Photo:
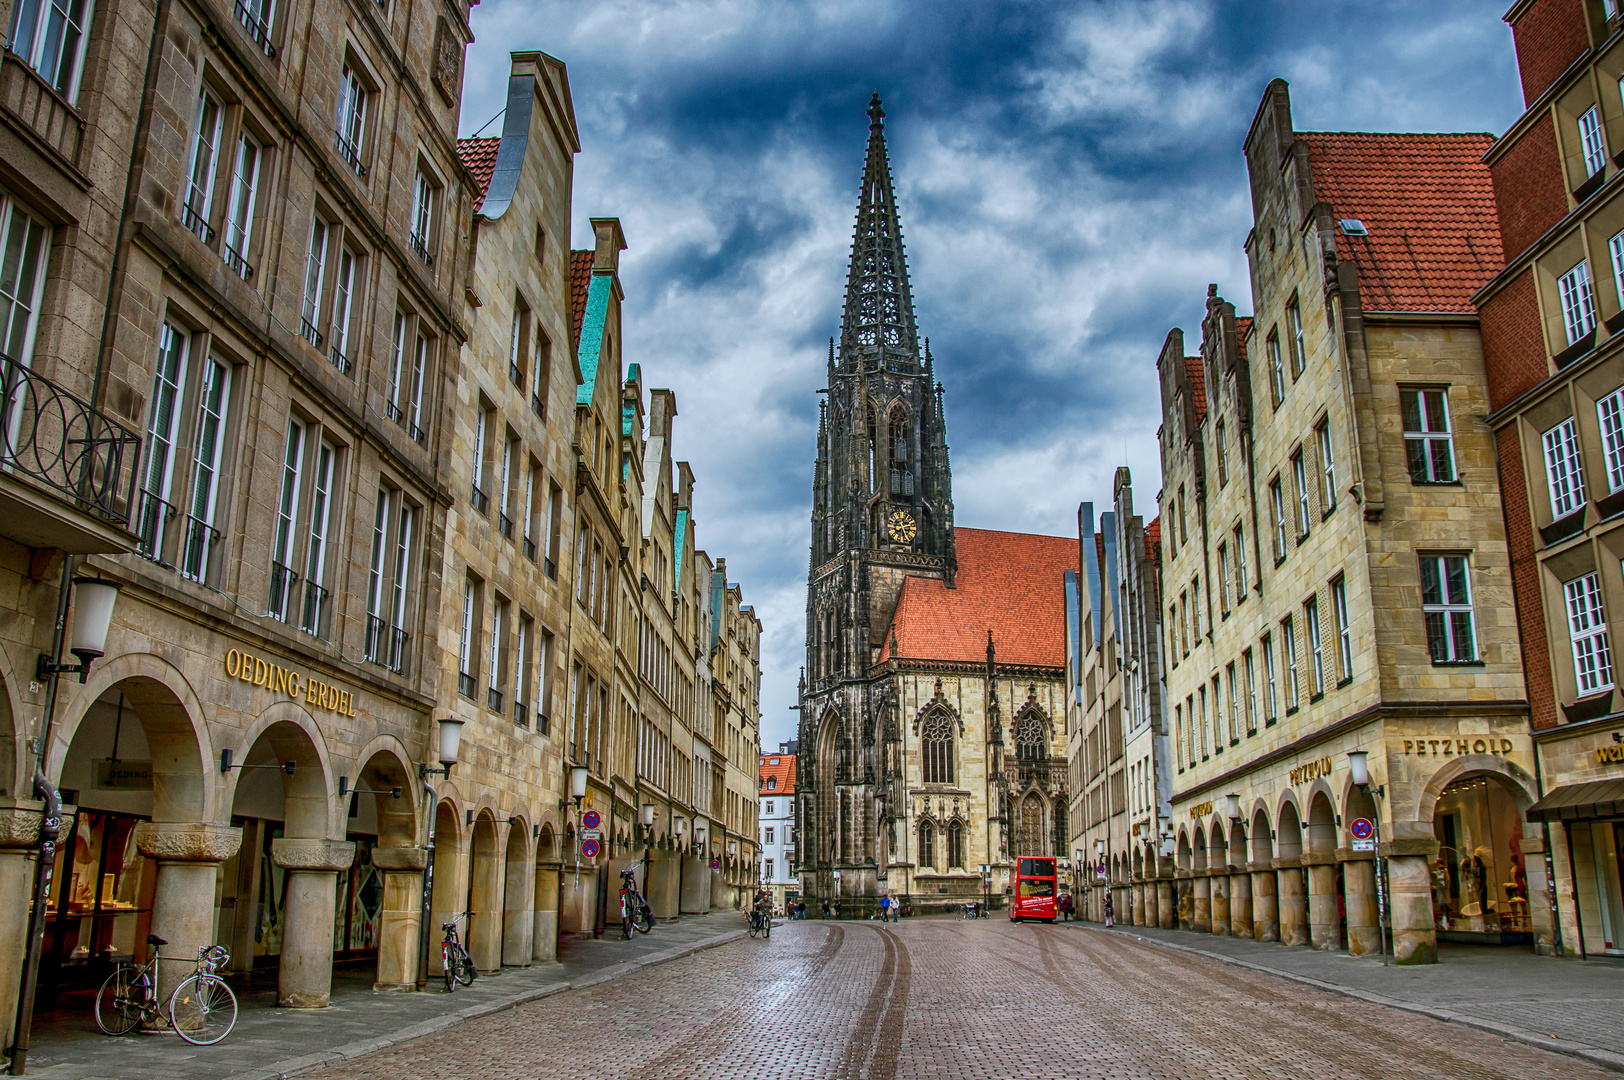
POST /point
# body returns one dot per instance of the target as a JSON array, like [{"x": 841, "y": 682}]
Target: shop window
[
  {"x": 1578, "y": 307},
  {"x": 1587, "y": 629},
  {"x": 1479, "y": 881},
  {"x": 1429, "y": 446},
  {"x": 1598, "y": 854},
  {"x": 1564, "y": 469},
  {"x": 1446, "y": 598}
]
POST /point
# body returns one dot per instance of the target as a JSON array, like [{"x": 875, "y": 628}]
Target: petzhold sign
[
  {"x": 278, "y": 679},
  {"x": 1302, "y": 774}
]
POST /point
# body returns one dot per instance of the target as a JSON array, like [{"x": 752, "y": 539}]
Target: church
[{"x": 932, "y": 705}]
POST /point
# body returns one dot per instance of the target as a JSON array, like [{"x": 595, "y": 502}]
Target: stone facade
[{"x": 1334, "y": 569}]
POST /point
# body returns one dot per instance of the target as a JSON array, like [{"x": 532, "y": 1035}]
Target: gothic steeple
[{"x": 878, "y": 325}]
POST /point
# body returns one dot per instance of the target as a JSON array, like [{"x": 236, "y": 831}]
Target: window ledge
[
  {"x": 1344, "y": 682},
  {"x": 1312, "y": 698},
  {"x": 1458, "y": 483},
  {"x": 1589, "y": 708},
  {"x": 1563, "y": 528},
  {"x": 1328, "y": 512},
  {"x": 1570, "y": 355},
  {"x": 1610, "y": 506},
  {"x": 1459, "y": 663},
  {"x": 1293, "y": 710}
]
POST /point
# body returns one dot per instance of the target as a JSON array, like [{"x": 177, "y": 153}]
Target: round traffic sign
[
  {"x": 590, "y": 819},
  {"x": 1362, "y": 829},
  {"x": 716, "y": 864},
  {"x": 589, "y": 849}
]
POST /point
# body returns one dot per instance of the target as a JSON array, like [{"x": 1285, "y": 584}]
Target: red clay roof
[
  {"x": 1010, "y": 583},
  {"x": 480, "y": 157},
  {"x": 1197, "y": 371},
  {"x": 1243, "y": 326},
  {"x": 1428, "y": 204},
  {"x": 783, "y": 772},
  {"x": 580, "y": 279},
  {"x": 1153, "y": 537}
]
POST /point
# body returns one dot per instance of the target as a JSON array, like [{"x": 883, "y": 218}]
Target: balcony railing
[
  {"x": 308, "y": 331},
  {"x": 238, "y": 264},
  {"x": 420, "y": 245},
  {"x": 195, "y": 224},
  {"x": 505, "y": 523},
  {"x": 199, "y": 545},
  {"x": 151, "y": 524},
  {"x": 493, "y": 699},
  {"x": 481, "y": 501},
  {"x": 465, "y": 684},
  {"x": 394, "y": 412},
  {"x": 385, "y": 646},
  {"x": 313, "y": 618},
  {"x": 349, "y": 152},
  {"x": 340, "y": 361},
  {"x": 283, "y": 581},
  {"x": 258, "y": 31},
  {"x": 63, "y": 442},
  {"x": 521, "y": 714}
]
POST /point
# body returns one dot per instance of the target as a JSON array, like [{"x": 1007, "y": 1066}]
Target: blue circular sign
[
  {"x": 590, "y": 819},
  {"x": 589, "y": 849}
]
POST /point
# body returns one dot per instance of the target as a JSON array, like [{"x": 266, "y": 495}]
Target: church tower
[{"x": 882, "y": 511}]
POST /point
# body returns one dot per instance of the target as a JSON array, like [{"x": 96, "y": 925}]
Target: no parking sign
[
  {"x": 591, "y": 820},
  {"x": 1364, "y": 834},
  {"x": 589, "y": 849}
]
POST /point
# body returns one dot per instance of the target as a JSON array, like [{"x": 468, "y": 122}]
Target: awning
[{"x": 1591, "y": 801}]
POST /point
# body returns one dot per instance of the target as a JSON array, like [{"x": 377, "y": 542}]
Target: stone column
[
  {"x": 1218, "y": 887},
  {"x": 1539, "y": 892},
  {"x": 544, "y": 938},
  {"x": 188, "y": 856},
  {"x": 1359, "y": 900},
  {"x": 1136, "y": 908},
  {"x": 400, "y": 922},
  {"x": 1293, "y": 903},
  {"x": 1265, "y": 906},
  {"x": 1324, "y": 923},
  {"x": 1167, "y": 915},
  {"x": 695, "y": 885},
  {"x": 305, "y": 980},
  {"x": 19, "y": 839},
  {"x": 1415, "y": 935},
  {"x": 1240, "y": 904},
  {"x": 1201, "y": 908},
  {"x": 518, "y": 913}
]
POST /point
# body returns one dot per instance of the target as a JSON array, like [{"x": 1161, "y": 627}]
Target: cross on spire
[{"x": 878, "y": 329}]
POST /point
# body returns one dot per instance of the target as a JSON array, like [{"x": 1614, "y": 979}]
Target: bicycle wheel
[
  {"x": 645, "y": 919},
  {"x": 767, "y": 926},
  {"x": 462, "y": 966},
  {"x": 448, "y": 966},
  {"x": 203, "y": 1010},
  {"x": 118, "y": 1007},
  {"x": 755, "y": 926}
]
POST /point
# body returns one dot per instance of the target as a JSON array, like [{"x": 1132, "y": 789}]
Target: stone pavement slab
[
  {"x": 1571, "y": 1006},
  {"x": 270, "y": 1043}
]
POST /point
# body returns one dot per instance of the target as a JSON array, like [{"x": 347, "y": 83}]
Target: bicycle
[
  {"x": 455, "y": 962},
  {"x": 761, "y": 922},
  {"x": 201, "y": 1009},
  {"x": 634, "y": 910}
]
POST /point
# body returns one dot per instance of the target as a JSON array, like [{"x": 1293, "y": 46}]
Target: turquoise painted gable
[{"x": 591, "y": 351}]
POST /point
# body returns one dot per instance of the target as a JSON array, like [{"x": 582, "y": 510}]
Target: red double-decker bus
[{"x": 1034, "y": 890}]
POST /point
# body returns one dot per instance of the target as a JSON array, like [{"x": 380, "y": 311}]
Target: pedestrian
[
  {"x": 836, "y": 906},
  {"x": 896, "y": 910},
  {"x": 885, "y": 908},
  {"x": 1110, "y": 911},
  {"x": 825, "y": 908}
]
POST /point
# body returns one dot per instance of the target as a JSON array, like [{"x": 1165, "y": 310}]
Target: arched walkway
[
  {"x": 450, "y": 886},
  {"x": 544, "y": 936},
  {"x": 484, "y": 904},
  {"x": 518, "y": 896},
  {"x": 1324, "y": 890}
]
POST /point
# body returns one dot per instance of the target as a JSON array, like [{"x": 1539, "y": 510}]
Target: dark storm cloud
[{"x": 1070, "y": 180}]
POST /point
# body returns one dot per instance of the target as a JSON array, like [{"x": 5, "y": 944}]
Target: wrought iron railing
[
  {"x": 313, "y": 617},
  {"x": 308, "y": 331},
  {"x": 385, "y": 646},
  {"x": 63, "y": 442},
  {"x": 258, "y": 31},
  {"x": 481, "y": 501},
  {"x": 283, "y": 580},
  {"x": 420, "y": 245},
  {"x": 340, "y": 361},
  {"x": 521, "y": 714},
  {"x": 195, "y": 224},
  {"x": 349, "y": 152},
  {"x": 151, "y": 524},
  {"x": 394, "y": 412},
  {"x": 238, "y": 264},
  {"x": 201, "y": 537}
]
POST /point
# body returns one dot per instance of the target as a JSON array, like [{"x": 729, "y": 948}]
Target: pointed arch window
[
  {"x": 936, "y": 737},
  {"x": 955, "y": 846},
  {"x": 927, "y": 845},
  {"x": 1029, "y": 738},
  {"x": 898, "y": 443}
]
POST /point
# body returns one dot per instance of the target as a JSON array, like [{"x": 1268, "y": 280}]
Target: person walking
[
  {"x": 1110, "y": 911},
  {"x": 825, "y": 908},
  {"x": 885, "y": 908}
]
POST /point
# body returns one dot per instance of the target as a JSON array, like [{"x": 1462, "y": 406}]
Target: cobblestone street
[{"x": 945, "y": 998}]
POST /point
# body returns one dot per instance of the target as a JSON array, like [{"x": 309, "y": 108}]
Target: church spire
[{"x": 878, "y": 324}]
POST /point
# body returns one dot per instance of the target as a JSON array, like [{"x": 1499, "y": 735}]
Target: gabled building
[{"x": 777, "y": 825}]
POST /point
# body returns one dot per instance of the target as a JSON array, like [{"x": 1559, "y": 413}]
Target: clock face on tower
[{"x": 900, "y": 524}]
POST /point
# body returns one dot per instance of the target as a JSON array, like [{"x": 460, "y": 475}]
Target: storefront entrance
[{"x": 1480, "y": 880}]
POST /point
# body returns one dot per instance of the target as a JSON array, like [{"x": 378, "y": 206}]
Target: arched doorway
[
  {"x": 380, "y": 898},
  {"x": 484, "y": 904},
  {"x": 518, "y": 897},
  {"x": 544, "y": 935},
  {"x": 1480, "y": 878},
  {"x": 129, "y": 758},
  {"x": 1324, "y": 875},
  {"x": 450, "y": 888}
]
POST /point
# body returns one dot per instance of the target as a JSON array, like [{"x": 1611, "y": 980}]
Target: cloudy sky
[{"x": 1069, "y": 178}]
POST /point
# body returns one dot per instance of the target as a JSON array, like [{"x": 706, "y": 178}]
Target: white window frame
[
  {"x": 240, "y": 205},
  {"x": 1322, "y": 436},
  {"x": 1591, "y": 141},
  {"x": 1344, "y": 627},
  {"x": 1429, "y": 430},
  {"x": 47, "y": 33},
  {"x": 287, "y": 516},
  {"x": 1271, "y": 681},
  {"x": 321, "y": 514},
  {"x": 1578, "y": 305},
  {"x": 315, "y": 271},
  {"x": 422, "y": 227},
  {"x": 350, "y": 121},
  {"x": 1277, "y": 510},
  {"x": 1299, "y": 476},
  {"x": 1288, "y": 663},
  {"x": 1610, "y": 414},
  {"x": 1316, "y": 647},
  {"x": 1439, "y": 600},
  {"x": 1240, "y": 563},
  {"x": 214, "y": 401},
  {"x": 203, "y": 163},
  {"x": 163, "y": 431},
  {"x": 1587, "y": 631},
  {"x": 465, "y": 651},
  {"x": 25, "y": 255},
  {"x": 1564, "y": 469},
  {"x": 343, "y": 305}
]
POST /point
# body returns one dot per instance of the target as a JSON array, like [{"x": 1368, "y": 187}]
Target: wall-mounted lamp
[
  {"x": 450, "y": 742},
  {"x": 578, "y": 784},
  {"x": 1359, "y": 766},
  {"x": 93, "y": 600},
  {"x": 1232, "y": 806}
]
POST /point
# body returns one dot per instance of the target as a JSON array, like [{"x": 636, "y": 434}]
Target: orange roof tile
[
  {"x": 1428, "y": 203},
  {"x": 1153, "y": 538},
  {"x": 783, "y": 772},
  {"x": 580, "y": 279},
  {"x": 1243, "y": 326},
  {"x": 480, "y": 157},
  {"x": 1198, "y": 382},
  {"x": 1010, "y": 583}
]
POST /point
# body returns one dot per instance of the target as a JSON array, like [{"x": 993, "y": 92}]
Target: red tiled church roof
[
  {"x": 783, "y": 772},
  {"x": 1010, "y": 583},
  {"x": 580, "y": 279},
  {"x": 479, "y": 155},
  {"x": 1428, "y": 203},
  {"x": 1197, "y": 371}
]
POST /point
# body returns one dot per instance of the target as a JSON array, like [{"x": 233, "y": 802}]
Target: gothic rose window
[
  {"x": 955, "y": 846},
  {"x": 936, "y": 736},
  {"x": 1029, "y": 739},
  {"x": 927, "y": 845}
]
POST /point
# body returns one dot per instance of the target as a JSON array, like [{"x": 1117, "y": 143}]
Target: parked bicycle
[
  {"x": 634, "y": 910},
  {"x": 457, "y": 966},
  {"x": 202, "y": 1009}
]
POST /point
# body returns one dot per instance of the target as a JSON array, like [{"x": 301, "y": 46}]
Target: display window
[
  {"x": 1598, "y": 863},
  {"x": 360, "y": 905},
  {"x": 1479, "y": 880},
  {"x": 97, "y": 903}
]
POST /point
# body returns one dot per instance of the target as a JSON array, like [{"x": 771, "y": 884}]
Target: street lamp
[
  {"x": 1359, "y": 770},
  {"x": 1232, "y": 806},
  {"x": 93, "y": 600},
  {"x": 450, "y": 744},
  {"x": 578, "y": 774}
]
